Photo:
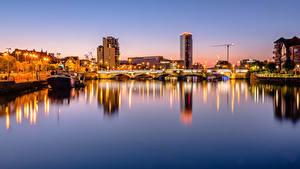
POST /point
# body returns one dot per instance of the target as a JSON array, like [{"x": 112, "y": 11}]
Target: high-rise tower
[
  {"x": 186, "y": 49},
  {"x": 108, "y": 54}
]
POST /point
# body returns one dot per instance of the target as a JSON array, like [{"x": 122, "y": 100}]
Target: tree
[
  {"x": 256, "y": 66},
  {"x": 289, "y": 65},
  {"x": 7, "y": 62},
  {"x": 271, "y": 67}
]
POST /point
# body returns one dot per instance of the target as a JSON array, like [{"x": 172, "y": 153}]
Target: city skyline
[{"x": 77, "y": 28}]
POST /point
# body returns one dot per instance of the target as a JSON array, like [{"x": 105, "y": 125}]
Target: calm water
[{"x": 152, "y": 124}]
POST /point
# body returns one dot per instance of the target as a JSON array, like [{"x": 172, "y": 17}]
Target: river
[{"x": 152, "y": 124}]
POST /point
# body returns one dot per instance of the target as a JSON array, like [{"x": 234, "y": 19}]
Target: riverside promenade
[{"x": 22, "y": 82}]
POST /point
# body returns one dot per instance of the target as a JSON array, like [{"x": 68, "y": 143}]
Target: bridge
[
  {"x": 199, "y": 74},
  {"x": 154, "y": 74}
]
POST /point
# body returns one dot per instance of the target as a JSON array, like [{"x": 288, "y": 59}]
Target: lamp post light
[{"x": 8, "y": 64}]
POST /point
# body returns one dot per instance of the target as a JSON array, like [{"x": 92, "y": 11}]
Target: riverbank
[
  {"x": 275, "y": 79},
  {"x": 22, "y": 87}
]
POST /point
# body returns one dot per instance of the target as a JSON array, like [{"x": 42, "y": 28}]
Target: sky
[{"x": 150, "y": 27}]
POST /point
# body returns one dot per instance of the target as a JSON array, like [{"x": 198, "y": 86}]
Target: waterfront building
[
  {"x": 71, "y": 63},
  {"x": 186, "y": 49},
  {"x": 28, "y": 55},
  {"x": 223, "y": 64},
  {"x": 108, "y": 54},
  {"x": 146, "y": 61},
  {"x": 286, "y": 49},
  {"x": 85, "y": 62},
  {"x": 247, "y": 63},
  {"x": 295, "y": 55},
  {"x": 175, "y": 64},
  {"x": 155, "y": 62}
]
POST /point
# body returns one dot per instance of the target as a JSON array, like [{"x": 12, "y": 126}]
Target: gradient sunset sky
[{"x": 150, "y": 27}]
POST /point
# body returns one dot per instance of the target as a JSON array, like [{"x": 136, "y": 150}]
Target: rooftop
[
  {"x": 186, "y": 34},
  {"x": 289, "y": 42}
]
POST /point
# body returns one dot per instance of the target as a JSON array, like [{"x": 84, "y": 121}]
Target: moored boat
[
  {"x": 62, "y": 81},
  {"x": 66, "y": 80}
]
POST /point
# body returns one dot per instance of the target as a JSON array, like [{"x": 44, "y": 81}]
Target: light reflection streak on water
[
  {"x": 91, "y": 93},
  {"x": 46, "y": 106},
  {"x": 205, "y": 93},
  {"x": 171, "y": 101},
  {"x": 7, "y": 119},
  {"x": 19, "y": 115},
  {"x": 246, "y": 94},
  {"x": 153, "y": 88},
  {"x": 218, "y": 99},
  {"x": 238, "y": 93},
  {"x": 147, "y": 86},
  {"x": 297, "y": 100},
  {"x": 232, "y": 99},
  {"x": 130, "y": 97}
]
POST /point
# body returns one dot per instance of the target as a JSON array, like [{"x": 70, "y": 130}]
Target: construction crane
[
  {"x": 227, "y": 46},
  {"x": 89, "y": 55}
]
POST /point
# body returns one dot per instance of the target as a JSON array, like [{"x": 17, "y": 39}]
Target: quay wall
[
  {"x": 277, "y": 80},
  {"x": 7, "y": 87}
]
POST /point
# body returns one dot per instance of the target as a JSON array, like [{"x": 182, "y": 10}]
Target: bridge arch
[
  {"x": 121, "y": 77},
  {"x": 164, "y": 75},
  {"x": 143, "y": 76}
]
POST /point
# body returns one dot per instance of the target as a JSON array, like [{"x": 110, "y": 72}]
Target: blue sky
[{"x": 150, "y": 27}]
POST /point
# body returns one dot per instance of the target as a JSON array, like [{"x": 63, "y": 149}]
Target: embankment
[
  {"x": 277, "y": 80},
  {"x": 7, "y": 87}
]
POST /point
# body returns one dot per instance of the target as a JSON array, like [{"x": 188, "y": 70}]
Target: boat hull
[{"x": 60, "y": 82}]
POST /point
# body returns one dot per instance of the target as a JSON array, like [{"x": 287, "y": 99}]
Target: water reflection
[
  {"x": 109, "y": 98},
  {"x": 184, "y": 97},
  {"x": 186, "y": 102},
  {"x": 62, "y": 96},
  {"x": 285, "y": 100},
  {"x": 23, "y": 108}
]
